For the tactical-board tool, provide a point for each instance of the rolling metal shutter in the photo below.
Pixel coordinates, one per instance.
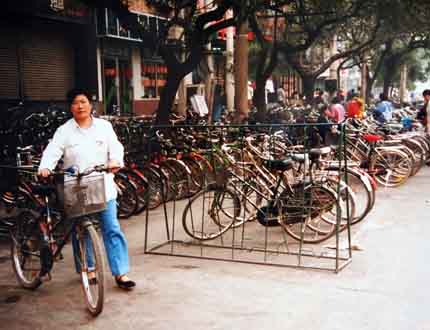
(48, 68)
(9, 76)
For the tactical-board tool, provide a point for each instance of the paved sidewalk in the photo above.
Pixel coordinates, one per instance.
(385, 286)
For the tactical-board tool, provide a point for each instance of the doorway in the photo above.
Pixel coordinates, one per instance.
(118, 91)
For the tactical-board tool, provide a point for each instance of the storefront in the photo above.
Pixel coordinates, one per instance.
(41, 57)
(131, 77)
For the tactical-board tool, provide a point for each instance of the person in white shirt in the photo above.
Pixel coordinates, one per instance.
(85, 141)
(269, 89)
(282, 96)
(250, 94)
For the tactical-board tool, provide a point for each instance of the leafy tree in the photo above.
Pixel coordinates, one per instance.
(303, 35)
(182, 46)
(404, 29)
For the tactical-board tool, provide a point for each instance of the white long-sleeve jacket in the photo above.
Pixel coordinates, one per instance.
(85, 147)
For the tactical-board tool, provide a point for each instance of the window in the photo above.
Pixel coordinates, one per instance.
(154, 77)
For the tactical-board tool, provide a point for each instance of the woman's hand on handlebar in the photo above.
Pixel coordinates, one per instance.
(113, 165)
(44, 172)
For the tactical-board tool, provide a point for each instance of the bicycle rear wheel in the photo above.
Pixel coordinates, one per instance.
(302, 214)
(91, 265)
(25, 250)
(127, 199)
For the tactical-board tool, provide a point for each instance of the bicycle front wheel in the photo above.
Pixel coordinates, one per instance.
(391, 167)
(91, 264)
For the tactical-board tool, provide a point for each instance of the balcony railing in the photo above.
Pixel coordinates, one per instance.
(109, 25)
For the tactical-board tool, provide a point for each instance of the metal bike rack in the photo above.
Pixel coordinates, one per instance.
(252, 242)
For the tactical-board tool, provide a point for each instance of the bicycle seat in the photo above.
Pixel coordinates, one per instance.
(372, 137)
(280, 165)
(44, 190)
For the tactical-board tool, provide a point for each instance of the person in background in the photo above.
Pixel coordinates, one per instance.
(296, 99)
(424, 113)
(323, 130)
(351, 93)
(269, 90)
(250, 94)
(281, 96)
(85, 141)
(384, 110)
(355, 107)
(336, 111)
(341, 96)
(218, 103)
(318, 97)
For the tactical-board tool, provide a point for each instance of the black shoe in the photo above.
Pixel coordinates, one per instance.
(93, 281)
(126, 285)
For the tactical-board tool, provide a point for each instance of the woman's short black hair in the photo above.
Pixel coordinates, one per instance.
(426, 92)
(71, 94)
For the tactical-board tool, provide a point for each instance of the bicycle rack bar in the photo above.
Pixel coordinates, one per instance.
(246, 241)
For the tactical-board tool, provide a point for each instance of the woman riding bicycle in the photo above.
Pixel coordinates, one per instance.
(85, 141)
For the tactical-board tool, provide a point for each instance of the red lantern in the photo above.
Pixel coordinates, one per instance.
(110, 72)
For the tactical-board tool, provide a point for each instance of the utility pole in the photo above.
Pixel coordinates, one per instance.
(229, 65)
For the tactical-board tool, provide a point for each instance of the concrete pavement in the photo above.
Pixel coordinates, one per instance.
(385, 286)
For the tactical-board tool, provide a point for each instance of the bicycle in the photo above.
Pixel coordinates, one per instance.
(300, 208)
(39, 237)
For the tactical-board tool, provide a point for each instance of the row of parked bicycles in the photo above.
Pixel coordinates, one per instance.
(276, 175)
(164, 164)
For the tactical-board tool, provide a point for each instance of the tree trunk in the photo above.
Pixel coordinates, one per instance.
(241, 73)
(388, 81)
(364, 82)
(260, 98)
(369, 86)
(308, 82)
(167, 97)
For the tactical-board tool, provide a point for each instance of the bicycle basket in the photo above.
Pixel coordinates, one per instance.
(83, 196)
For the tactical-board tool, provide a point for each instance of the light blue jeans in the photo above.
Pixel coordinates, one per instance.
(114, 241)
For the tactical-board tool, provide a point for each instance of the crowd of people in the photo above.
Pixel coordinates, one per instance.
(332, 108)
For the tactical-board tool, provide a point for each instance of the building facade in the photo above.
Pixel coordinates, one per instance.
(48, 47)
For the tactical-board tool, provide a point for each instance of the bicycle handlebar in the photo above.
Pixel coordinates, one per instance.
(73, 171)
